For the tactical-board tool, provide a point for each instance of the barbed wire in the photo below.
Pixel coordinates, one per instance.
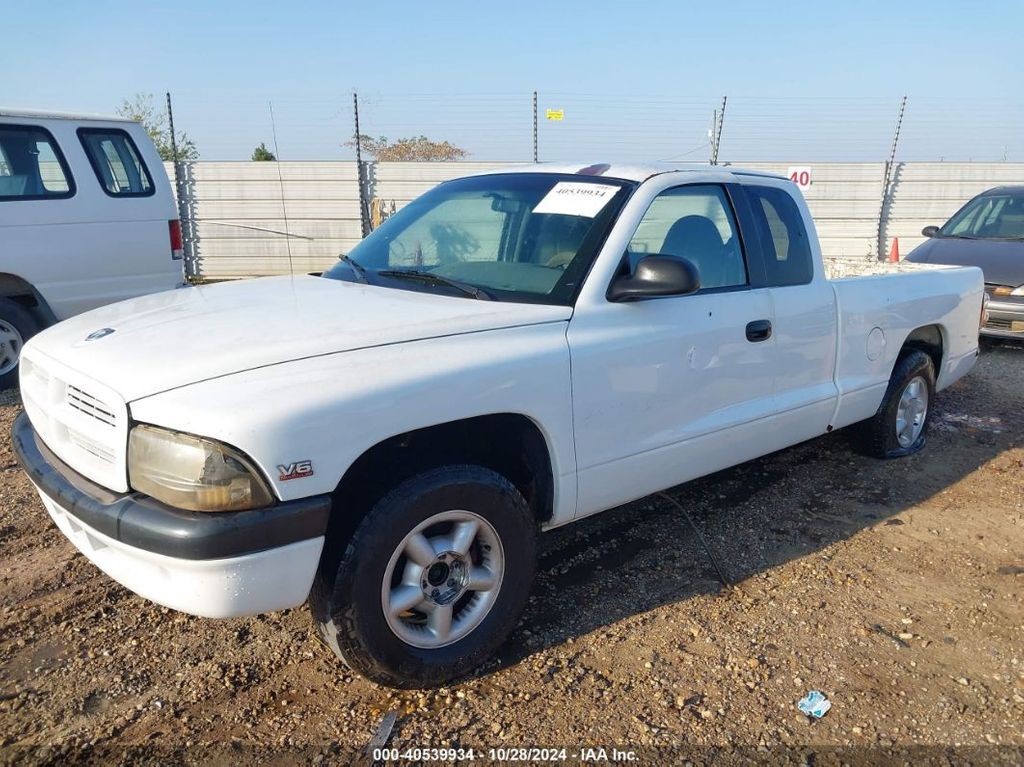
(627, 127)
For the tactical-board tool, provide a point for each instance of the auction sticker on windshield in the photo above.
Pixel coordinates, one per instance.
(571, 198)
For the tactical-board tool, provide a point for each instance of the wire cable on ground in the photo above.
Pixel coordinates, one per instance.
(721, 575)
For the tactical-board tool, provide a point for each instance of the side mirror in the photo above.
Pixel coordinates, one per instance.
(930, 231)
(656, 276)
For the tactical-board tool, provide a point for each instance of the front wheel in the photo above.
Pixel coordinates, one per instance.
(900, 426)
(433, 580)
(17, 325)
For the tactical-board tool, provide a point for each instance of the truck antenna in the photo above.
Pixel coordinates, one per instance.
(280, 180)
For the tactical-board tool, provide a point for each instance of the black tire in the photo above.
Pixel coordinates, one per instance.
(21, 320)
(346, 598)
(877, 437)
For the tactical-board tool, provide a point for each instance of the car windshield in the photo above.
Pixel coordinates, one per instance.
(991, 216)
(526, 237)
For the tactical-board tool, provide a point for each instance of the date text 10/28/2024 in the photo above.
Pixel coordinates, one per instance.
(505, 754)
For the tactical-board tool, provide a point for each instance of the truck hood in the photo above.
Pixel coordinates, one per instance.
(1002, 261)
(166, 340)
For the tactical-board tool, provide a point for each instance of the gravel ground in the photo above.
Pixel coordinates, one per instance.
(893, 587)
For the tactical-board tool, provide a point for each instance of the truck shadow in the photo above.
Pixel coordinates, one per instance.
(756, 516)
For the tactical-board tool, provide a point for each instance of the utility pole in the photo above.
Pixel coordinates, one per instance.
(535, 126)
(364, 208)
(886, 180)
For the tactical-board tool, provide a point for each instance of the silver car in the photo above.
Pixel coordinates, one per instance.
(987, 232)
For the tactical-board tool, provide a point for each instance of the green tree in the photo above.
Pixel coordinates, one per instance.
(262, 154)
(416, 148)
(142, 109)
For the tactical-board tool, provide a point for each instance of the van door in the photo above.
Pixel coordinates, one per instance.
(669, 389)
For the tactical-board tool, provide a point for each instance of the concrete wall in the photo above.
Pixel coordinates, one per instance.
(238, 216)
(240, 213)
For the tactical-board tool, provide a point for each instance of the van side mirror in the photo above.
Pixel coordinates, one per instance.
(930, 231)
(656, 276)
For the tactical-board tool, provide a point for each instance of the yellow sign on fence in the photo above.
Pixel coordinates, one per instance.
(556, 114)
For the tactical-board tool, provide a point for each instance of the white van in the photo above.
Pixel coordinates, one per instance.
(87, 217)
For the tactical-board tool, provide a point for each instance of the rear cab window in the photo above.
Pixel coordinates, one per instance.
(116, 161)
(783, 236)
(32, 166)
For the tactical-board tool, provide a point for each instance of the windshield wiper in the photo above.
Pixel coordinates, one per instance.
(357, 268)
(420, 276)
(977, 237)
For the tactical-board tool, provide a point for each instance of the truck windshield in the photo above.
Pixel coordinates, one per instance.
(525, 237)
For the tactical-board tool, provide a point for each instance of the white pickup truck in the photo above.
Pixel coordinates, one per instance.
(511, 352)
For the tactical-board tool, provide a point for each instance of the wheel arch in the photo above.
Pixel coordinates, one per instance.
(24, 293)
(511, 444)
(930, 339)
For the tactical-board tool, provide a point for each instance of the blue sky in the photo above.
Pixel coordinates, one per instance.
(806, 80)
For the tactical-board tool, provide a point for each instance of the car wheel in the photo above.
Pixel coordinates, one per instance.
(17, 325)
(900, 426)
(432, 581)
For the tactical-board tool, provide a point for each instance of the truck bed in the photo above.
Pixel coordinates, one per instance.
(878, 305)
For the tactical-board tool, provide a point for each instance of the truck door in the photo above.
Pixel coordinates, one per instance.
(668, 389)
(805, 325)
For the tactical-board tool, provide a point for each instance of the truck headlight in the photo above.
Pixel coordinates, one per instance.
(193, 473)
(1018, 291)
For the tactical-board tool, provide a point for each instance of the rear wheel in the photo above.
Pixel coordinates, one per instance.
(432, 582)
(17, 325)
(900, 426)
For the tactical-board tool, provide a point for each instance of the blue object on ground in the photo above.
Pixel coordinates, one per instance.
(814, 704)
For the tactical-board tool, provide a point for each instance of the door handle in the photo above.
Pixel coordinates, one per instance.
(759, 330)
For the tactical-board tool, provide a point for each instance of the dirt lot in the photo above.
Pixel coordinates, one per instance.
(893, 587)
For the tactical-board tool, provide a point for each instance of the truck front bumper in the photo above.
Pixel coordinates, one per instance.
(1005, 319)
(216, 565)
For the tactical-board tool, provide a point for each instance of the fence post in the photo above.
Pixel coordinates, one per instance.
(883, 205)
(711, 135)
(364, 208)
(716, 142)
(179, 196)
(535, 126)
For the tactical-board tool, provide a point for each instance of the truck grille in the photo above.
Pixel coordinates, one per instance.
(90, 405)
(83, 423)
(997, 323)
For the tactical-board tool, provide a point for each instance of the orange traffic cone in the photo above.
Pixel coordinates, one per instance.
(894, 254)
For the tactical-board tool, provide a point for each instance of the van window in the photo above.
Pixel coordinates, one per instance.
(787, 251)
(31, 165)
(116, 161)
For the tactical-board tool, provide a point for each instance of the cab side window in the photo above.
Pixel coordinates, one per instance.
(787, 250)
(116, 162)
(31, 165)
(696, 223)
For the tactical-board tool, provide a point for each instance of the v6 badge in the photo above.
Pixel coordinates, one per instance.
(297, 470)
